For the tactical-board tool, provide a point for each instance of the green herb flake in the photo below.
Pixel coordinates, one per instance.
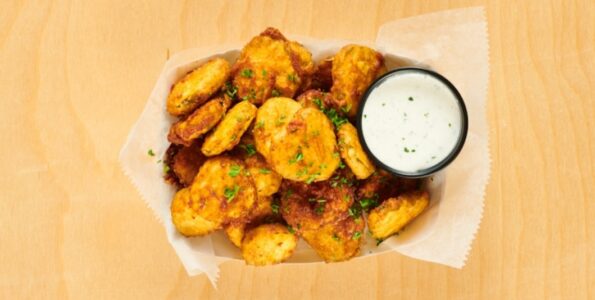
(378, 241)
(449, 125)
(150, 152)
(292, 77)
(356, 235)
(336, 237)
(275, 207)
(249, 148)
(365, 116)
(291, 230)
(288, 193)
(259, 124)
(230, 90)
(318, 102)
(346, 108)
(264, 171)
(230, 193)
(264, 72)
(319, 209)
(234, 171)
(275, 93)
(383, 104)
(246, 73)
(346, 198)
(166, 168)
(311, 178)
(335, 154)
(298, 156)
(410, 98)
(341, 165)
(406, 150)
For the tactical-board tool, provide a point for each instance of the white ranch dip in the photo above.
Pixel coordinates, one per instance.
(411, 121)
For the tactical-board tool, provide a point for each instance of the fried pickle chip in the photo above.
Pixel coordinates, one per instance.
(308, 152)
(308, 207)
(269, 65)
(186, 163)
(268, 244)
(337, 241)
(354, 69)
(270, 122)
(222, 191)
(197, 86)
(352, 152)
(266, 180)
(199, 122)
(261, 212)
(394, 213)
(186, 219)
(229, 131)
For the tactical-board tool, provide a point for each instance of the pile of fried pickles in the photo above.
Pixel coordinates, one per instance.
(264, 149)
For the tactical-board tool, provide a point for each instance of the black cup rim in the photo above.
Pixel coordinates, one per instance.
(440, 165)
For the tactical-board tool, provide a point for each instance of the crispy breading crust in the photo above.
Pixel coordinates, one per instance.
(269, 65)
(308, 152)
(199, 122)
(354, 69)
(186, 219)
(270, 122)
(394, 213)
(186, 163)
(352, 152)
(197, 86)
(337, 241)
(268, 244)
(229, 131)
(222, 191)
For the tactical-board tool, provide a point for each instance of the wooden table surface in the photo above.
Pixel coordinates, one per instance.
(75, 75)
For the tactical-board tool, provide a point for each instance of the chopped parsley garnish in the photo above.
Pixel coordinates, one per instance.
(289, 193)
(354, 211)
(280, 120)
(365, 116)
(311, 178)
(335, 118)
(264, 171)
(378, 241)
(264, 72)
(290, 229)
(259, 124)
(234, 171)
(246, 73)
(302, 172)
(275, 93)
(150, 152)
(231, 193)
(346, 108)
(366, 203)
(230, 90)
(406, 149)
(412, 150)
(335, 154)
(322, 166)
(319, 209)
(318, 102)
(298, 156)
(356, 235)
(449, 125)
(410, 98)
(249, 148)
(292, 77)
(336, 237)
(251, 95)
(341, 165)
(275, 207)
(346, 198)
(166, 168)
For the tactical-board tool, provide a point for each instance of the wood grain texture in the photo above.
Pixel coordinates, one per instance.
(74, 76)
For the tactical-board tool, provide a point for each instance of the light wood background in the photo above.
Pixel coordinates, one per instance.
(74, 77)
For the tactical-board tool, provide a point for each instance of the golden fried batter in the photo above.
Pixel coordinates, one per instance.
(222, 191)
(317, 99)
(197, 86)
(199, 122)
(307, 207)
(185, 217)
(270, 122)
(269, 65)
(308, 152)
(352, 152)
(394, 213)
(229, 131)
(263, 211)
(354, 69)
(383, 185)
(268, 244)
(186, 163)
(337, 241)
